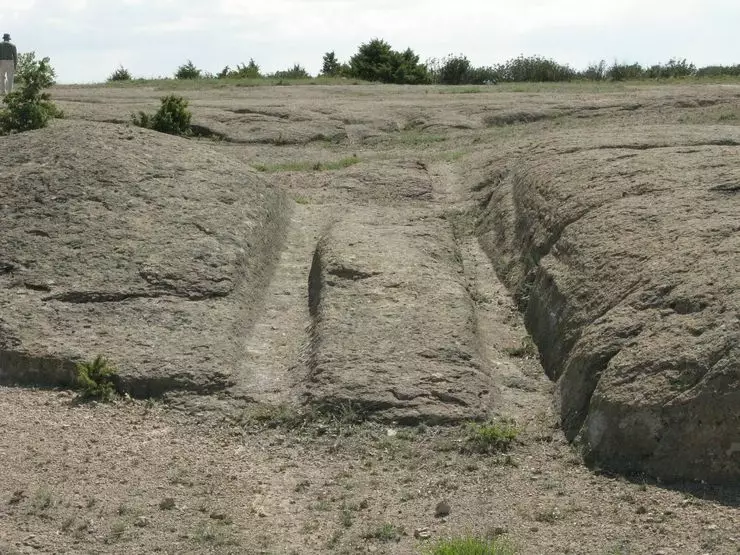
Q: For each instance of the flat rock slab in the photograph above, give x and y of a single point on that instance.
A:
(393, 333)
(148, 249)
(624, 250)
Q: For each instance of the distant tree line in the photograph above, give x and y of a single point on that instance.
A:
(377, 61)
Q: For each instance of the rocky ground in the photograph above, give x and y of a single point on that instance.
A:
(322, 291)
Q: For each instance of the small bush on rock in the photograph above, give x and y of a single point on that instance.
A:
(29, 107)
(173, 117)
(95, 379)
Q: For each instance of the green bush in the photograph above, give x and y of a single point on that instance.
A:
(472, 546)
(535, 69)
(625, 72)
(187, 71)
(95, 379)
(454, 70)
(296, 72)
(331, 66)
(121, 74)
(242, 71)
(25, 62)
(719, 71)
(377, 61)
(173, 117)
(674, 68)
(490, 437)
(595, 72)
(29, 107)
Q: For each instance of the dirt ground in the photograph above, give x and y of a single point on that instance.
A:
(382, 331)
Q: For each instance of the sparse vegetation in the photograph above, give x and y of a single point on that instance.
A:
(472, 546)
(120, 74)
(384, 533)
(173, 117)
(490, 437)
(30, 107)
(525, 349)
(95, 379)
(307, 166)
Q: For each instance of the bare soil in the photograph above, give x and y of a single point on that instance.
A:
(326, 309)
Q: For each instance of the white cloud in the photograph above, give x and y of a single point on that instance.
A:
(158, 35)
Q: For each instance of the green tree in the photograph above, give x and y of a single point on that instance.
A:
(187, 71)
(29, 106)
(121, 74)
(453, 70)
(377, 61)
(331, 66)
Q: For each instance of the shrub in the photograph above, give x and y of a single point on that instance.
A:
(377, 61)
(472, 546)
(296, 72)
(29, 107)
(331, 66)
(121, 74)
(25, 62)
(595, 72)
(242, 71)
(187, 71)
(173, 117)
(674, 68)
(535, 69)
(624, 72)
(490, 437)
(455, 70)
(719, 71)
(95, 379)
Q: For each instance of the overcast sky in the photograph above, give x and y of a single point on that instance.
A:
(88, 39)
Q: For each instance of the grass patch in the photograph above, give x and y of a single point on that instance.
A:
(490, 437)
(214, 535)
(461, 90)
(308, 166)
(414, 137)
(472, 546)
(384, 533)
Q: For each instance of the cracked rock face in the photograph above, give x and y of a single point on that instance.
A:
(148, 249)
(624, 250)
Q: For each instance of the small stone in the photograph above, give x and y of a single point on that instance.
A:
(167, 504)
(141, 522)
(712, 527)
(391, 432)
(442, 509)
(422, 534)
